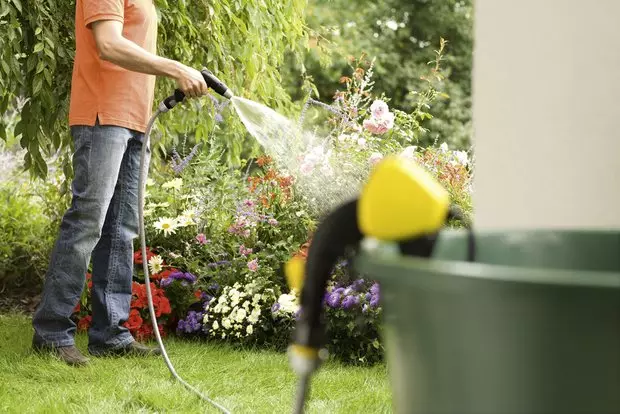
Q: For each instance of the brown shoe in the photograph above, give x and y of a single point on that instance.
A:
(133, 349)
(69, 354)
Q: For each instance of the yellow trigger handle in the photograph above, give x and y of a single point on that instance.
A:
(400, 201)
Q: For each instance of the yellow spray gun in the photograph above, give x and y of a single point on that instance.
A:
(402, 203)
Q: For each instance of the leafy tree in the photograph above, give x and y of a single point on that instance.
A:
(402, 35)
(244, 42)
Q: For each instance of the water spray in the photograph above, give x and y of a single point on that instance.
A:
(167, 104)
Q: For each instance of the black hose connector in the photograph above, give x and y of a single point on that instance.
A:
(212, 82)
(337, 232)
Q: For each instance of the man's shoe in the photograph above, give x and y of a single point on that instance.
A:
(133, 349)
(68, 354)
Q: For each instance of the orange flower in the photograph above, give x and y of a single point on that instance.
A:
(84, 323)
(264, 160)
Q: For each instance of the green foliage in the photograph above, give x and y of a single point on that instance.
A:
(27, 236)
(244, 42)
(400, 35)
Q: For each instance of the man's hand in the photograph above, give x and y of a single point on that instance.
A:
(191, 82)
(114, 48)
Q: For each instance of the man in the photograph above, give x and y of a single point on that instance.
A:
(111, 99)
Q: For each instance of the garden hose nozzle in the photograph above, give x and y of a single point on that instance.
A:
(212, 82)
(401, 202)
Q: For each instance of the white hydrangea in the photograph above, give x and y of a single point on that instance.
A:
(288, 303)
(238, 309)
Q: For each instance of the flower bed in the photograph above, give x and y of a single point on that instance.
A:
(219, 236)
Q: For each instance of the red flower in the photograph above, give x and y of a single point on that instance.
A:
(135, 320)
(89, 282)
(77, 308)
(162, 305)
(137, 256)
(144, 332)
(84, 323)
(198, 294)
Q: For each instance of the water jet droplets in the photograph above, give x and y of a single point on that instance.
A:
(323, 177)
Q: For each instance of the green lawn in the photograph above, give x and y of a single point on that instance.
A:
(242, 381)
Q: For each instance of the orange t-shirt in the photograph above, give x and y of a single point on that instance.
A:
(101, 89)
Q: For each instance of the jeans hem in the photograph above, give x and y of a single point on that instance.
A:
(37, 343)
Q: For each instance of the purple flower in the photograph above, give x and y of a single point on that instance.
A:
(185, 277)
(339, 290)
(374, 302)
(374, 289)
(275, 308)
(333, 300)
(219, 118)
(178, 164)
(272, 222)
(348, 291)
(350, 301)
(368, 297)
(191, 324)
(214, 286)
(165, 282)
(365, 308)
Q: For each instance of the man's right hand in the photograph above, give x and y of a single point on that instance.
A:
(191, 82)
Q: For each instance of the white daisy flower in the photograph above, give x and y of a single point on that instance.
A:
(166, 225)
(155, 264)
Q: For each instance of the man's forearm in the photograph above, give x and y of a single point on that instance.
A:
(114, 48)
(128, 55)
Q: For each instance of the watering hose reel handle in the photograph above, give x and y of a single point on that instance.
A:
(212, 82)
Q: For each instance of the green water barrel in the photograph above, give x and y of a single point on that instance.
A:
(532, 326)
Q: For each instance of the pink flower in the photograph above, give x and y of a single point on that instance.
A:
(244, 251)
(380, 126)
(272, 222)
(375, 157)
(362, 141)
(379, 109)
(202, 239)
(253, 265)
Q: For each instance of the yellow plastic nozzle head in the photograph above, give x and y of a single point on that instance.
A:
(294, 271)
(400, 201)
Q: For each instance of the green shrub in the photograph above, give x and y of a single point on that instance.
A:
(26, 239)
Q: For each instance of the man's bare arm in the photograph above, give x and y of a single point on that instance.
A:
(114, 48)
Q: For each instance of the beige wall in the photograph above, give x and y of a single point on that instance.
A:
(547, 114)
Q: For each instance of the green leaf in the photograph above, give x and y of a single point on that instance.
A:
(18, 5)
(38, 31)
(38, 47)
(37, 85)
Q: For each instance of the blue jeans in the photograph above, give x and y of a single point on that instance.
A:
(101, 223)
